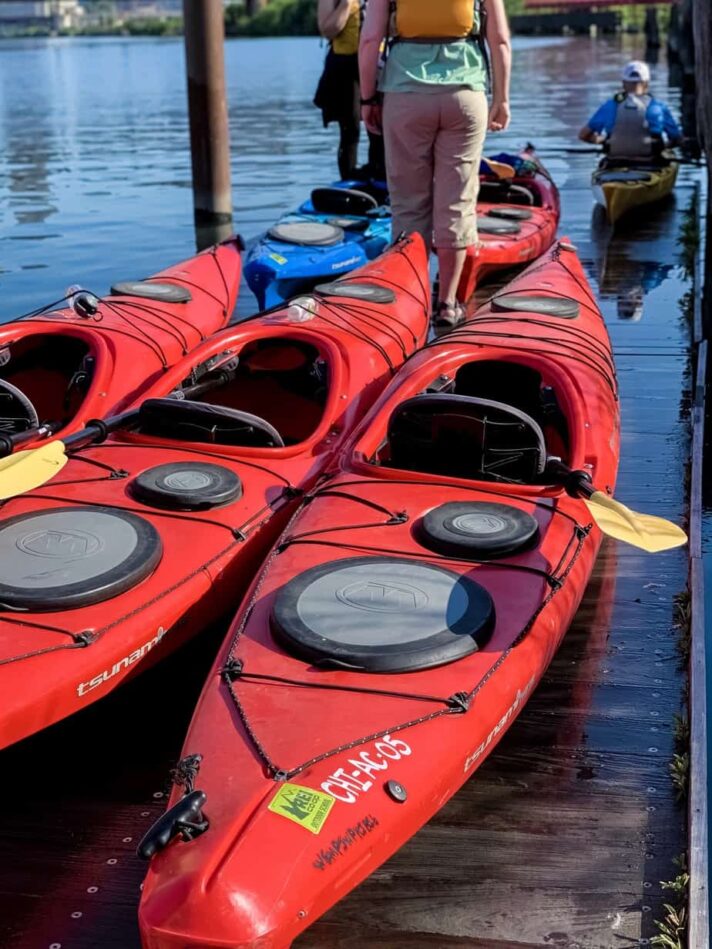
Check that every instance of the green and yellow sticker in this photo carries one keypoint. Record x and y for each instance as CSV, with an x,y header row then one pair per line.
x,y
304,806
277,258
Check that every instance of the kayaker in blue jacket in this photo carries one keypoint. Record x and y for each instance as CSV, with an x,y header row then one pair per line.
x,y
633,125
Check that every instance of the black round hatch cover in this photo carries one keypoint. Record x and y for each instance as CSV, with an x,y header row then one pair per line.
x,y
69,557
491,225
369,292
563,307
187,485
477,530
307,233
152,290
382,614
510,214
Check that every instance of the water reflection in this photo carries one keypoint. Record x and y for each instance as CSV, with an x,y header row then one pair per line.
x,y
634,258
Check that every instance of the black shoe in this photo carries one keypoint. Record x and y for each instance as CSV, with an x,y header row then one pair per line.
x,y
449,315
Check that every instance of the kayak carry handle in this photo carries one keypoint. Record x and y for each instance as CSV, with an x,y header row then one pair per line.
x,y
185,820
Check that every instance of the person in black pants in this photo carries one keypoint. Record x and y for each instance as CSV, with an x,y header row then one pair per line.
x,y
338,94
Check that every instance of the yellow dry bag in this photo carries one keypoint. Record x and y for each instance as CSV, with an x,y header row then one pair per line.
x,y
439,19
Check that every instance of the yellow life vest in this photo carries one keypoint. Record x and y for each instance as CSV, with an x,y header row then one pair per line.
x,y
346,43
446,19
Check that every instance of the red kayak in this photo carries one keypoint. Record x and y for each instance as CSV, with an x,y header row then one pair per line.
x,y
60,368
143,540
517,222
399,625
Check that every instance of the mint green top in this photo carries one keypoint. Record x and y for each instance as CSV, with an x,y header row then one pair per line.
x,y
429,67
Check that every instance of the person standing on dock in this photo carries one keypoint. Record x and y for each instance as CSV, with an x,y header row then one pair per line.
x,y
430,100
337,94
633,126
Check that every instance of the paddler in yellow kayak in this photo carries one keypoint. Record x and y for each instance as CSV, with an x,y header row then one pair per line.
x,y
633,125
634,129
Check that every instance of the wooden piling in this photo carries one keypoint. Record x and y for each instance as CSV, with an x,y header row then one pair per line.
x,y
207,105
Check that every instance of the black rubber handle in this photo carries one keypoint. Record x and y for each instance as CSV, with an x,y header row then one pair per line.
x,y
577,484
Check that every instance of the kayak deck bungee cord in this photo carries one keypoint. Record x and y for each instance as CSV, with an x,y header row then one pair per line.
x,y
61,367
144,538
399,625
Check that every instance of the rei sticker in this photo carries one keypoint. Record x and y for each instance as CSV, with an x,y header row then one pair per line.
x,y
277,258
304,806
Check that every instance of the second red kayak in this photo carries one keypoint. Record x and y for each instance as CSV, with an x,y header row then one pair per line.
x,y
142,540
398,627
60,368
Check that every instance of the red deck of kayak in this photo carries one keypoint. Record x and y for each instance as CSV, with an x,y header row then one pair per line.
x,y
55,663
131,340
501,252
255,879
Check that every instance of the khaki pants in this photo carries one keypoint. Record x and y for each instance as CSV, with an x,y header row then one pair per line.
x,y
433,148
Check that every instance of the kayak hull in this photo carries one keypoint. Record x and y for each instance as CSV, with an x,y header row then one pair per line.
x,y
56,660
125,348
621,197
363,760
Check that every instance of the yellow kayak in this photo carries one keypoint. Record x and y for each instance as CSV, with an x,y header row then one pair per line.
x,y
620,190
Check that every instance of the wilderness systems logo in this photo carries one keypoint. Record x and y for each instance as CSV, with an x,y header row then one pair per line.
x,y
304,806
124,663
522,696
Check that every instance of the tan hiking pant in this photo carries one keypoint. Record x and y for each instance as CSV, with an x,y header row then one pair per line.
x,y
434,144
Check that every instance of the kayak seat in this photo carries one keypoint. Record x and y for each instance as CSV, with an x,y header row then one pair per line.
x,y
52,371
202,422
307,233
282,380
382,614
342,201
460,436
504,192
519,386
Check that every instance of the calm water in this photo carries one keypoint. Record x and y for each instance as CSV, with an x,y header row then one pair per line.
x,y
94,163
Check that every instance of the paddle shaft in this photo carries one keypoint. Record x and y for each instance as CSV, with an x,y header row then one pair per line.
x,y
98,428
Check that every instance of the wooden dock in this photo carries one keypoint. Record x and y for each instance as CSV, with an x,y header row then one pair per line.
x,y
560,840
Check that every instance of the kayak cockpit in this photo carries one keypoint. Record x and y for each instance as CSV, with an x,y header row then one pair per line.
x,y
491,421
44,378
274,396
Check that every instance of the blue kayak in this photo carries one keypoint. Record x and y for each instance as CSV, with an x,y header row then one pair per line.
x,y
337,230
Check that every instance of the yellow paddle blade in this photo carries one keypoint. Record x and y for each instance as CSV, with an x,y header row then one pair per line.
x,y
499,168
641,530
29,469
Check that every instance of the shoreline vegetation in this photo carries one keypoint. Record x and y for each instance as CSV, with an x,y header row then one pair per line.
x,y
278,18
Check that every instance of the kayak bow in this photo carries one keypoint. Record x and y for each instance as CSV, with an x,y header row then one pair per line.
x,y
400,624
